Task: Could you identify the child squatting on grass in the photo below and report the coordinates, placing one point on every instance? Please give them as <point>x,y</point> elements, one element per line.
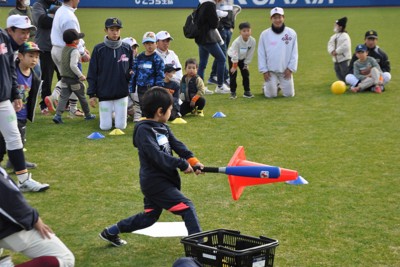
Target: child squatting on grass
<point>192,90</point>
<point>367,70</point>
<point>160,182</point>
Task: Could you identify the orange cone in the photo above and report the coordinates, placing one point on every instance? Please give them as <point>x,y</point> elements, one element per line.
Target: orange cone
<point>238,183</point>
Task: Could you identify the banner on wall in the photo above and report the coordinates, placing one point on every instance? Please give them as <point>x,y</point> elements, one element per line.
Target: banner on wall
<point>242,3</point>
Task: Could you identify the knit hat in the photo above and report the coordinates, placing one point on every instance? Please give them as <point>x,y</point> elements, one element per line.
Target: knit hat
<point>342,22</point>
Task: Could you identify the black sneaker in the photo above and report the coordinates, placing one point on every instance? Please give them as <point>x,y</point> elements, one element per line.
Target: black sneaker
<point>233,95</point>
<point>113,239</point>
<point>248,94</point>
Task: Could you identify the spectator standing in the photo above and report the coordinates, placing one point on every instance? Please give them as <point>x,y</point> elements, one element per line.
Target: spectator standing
<point>209,42</point>
<point>339,47</point>
<point>10,103</point>
<point>42,16</point>
<point>65,19</point>
<point>28,89</point>
<point>23,8</point>
<point>278,56</point>
<point>240,54</point>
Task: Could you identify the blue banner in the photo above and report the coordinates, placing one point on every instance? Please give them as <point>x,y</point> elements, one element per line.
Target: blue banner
<point>242,3</point>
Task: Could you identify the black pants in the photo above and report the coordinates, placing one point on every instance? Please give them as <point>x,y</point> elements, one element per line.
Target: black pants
<point>245,75</point>
<point>186,108</point>
<point>22,130</point>
<point>48,67</point>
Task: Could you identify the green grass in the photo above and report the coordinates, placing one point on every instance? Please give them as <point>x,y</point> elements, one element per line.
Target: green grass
<point>346,146</point>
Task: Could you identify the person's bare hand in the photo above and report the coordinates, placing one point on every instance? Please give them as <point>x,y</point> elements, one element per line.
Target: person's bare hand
<point>44,230</point>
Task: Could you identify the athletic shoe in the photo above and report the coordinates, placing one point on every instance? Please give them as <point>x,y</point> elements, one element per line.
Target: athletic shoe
<point>115,240</point>
<point>208,92</point>
<point>5,261</point>
<point>200,113</point>
<point>378,89</point>
<point>57,119</point>
<point>90,117</point>
<point>31,185</point>
<point>48,100</point>
<point>228,83</point>
<point>248,94</point>
<point>45,112</point>
<point>233,95</point>
<point>76,113</point>
<point>222,90</point>
<point>213,80</point>
<point>29,165</point>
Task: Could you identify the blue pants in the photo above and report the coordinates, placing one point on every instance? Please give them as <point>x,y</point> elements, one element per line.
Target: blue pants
<point>170,199</point>
<point>226,35</point>
<point>220,59</point>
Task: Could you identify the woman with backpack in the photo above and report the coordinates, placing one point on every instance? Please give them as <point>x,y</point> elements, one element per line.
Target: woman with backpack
<point>209,41</point>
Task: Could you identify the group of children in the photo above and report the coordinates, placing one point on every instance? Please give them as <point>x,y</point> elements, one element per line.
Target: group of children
<point>118,76</point>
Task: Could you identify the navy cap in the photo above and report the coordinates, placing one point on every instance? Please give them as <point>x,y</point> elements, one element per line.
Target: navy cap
<point>113,22</point>
<point>361,47</point>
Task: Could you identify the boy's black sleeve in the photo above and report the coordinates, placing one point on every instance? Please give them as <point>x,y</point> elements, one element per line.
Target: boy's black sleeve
<point>13,206</point>
<point>92,74</point>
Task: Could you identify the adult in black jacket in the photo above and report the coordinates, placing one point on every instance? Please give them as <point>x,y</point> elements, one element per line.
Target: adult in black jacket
<point>209,41</point>
<point>371,41</point>
<point>22,230</point>
<point>42,15</point>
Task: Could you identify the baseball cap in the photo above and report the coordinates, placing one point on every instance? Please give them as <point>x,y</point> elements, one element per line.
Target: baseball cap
<point>361,47</point>
<point>162,35</point>
<point>29,47</point>
<point>130,41</point>
<point>371,34</point>
<point>277,10</point>
<point>20,22</point>
<point>71,35</point>
<point>149,37</point>
<point>113,22</point>
<point>170,68</point>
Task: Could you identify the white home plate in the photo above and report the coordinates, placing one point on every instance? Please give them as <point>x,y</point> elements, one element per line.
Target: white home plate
<point>164,229</point>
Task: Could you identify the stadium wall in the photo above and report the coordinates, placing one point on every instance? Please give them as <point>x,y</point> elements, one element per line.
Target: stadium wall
<point>242,3</point>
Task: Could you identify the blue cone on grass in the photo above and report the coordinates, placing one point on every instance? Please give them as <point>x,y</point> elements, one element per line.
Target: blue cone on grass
<point>299,181</point>
<point>95,135</point>
<point>219,114</point>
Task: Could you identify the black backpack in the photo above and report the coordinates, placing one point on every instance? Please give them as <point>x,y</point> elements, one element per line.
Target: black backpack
<point>190,29</point>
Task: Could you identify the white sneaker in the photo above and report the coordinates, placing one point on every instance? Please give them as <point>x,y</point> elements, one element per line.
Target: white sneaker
<point>207,91</point>
<point>6,261</point>
<point>223,89</point>
<point>31,185</point>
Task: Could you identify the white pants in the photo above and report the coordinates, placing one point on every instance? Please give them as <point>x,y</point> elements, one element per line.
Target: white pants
<point>118,107</point>
<point>9,126</point>
<point>56,52</point>
<point>31,244</point>
<point>276,80</point>
<point>352,80</point>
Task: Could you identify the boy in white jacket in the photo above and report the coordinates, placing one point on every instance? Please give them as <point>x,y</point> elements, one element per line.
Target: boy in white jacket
<point>278,56</point>
<point>339,47</point>
<point>240,55</point>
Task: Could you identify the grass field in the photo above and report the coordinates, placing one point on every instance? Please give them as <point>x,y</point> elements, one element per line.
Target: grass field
<point>346,146</point>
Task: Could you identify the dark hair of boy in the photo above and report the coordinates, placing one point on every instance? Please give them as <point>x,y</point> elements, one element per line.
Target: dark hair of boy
<point>244,25</point>
<point>155,98</point>
<point>191,61</point>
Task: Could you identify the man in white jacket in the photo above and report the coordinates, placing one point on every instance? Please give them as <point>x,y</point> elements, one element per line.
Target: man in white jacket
<point>278,56</point>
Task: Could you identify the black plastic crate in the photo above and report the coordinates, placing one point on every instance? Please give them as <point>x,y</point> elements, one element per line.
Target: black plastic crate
<point>228,248</point>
